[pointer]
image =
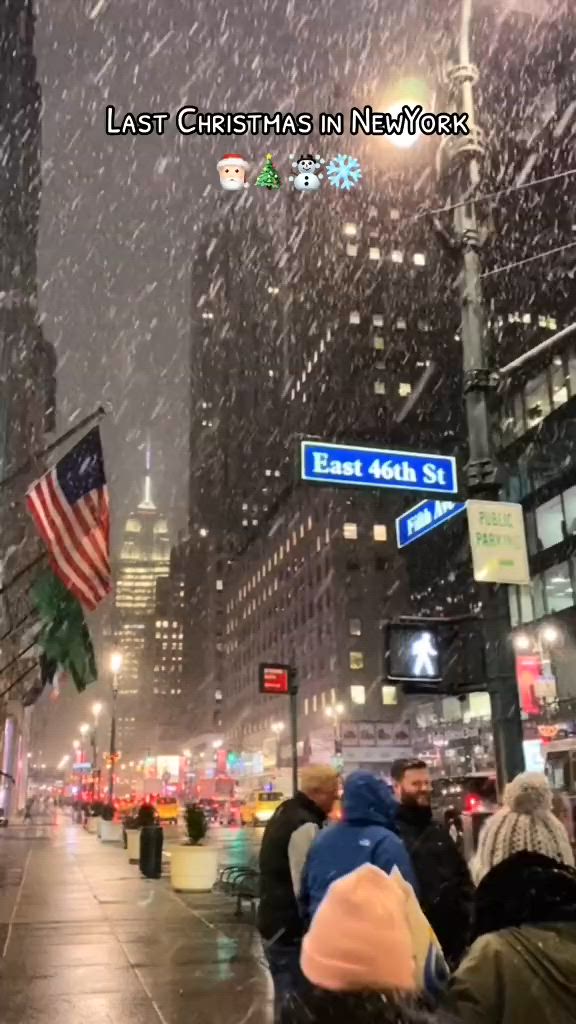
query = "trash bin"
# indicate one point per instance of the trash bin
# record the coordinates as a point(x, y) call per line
point(151, 842)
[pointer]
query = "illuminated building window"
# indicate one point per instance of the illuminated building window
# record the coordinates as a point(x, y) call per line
point(378, 320)
point(394, 214)
point(358, 694)
point(350, 230)
point(351, 249)
point(401, 324)
point(354, 317)
point(404, 389)
point(389, 695)
point(378, 343)
point(356, 661)
point(380, 532)
point(219, 585)
point(379, 387)
point(373, 252)
point(315, 703)
point(419, 259)
point(397, 256)
point(350, 531)
point(355, 627)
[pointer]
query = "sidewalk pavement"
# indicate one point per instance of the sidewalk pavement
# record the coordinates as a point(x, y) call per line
point(85, 938)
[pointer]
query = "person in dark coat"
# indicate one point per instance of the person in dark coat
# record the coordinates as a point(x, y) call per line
point(287, 840)
point(365, 836)
point(522, 964)
point(445, 886)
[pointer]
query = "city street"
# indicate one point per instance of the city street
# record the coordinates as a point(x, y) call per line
point(84, 936)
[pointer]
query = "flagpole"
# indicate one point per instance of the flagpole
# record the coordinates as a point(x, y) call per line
point(98, 414)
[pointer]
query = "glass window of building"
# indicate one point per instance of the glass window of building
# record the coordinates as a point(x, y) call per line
point(356, 660)
point(350, 531)
point(355, 627)
point(306, 705)
point(569, 499)
point(559, 593)
point(380, 532)
point(394, 214)
point(397, 256)
point(374, 252)
point(537, 400)
point(389, 695)
point(350, 230)
point(354, 317)
point(315, 703)
point(401, 323)
point(332, 697)
point(358, 694)
point(419, 259)
point(538, 590)
point(378, 320)
point(559, 379)
point(378, 343)
point(549, 521)
point(379, 387)
point(351, 249)
point(404, 389)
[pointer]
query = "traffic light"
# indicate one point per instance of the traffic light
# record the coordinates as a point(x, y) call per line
point(436, 656)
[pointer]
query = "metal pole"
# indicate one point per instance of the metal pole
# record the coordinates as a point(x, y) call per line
point(479, 383)
point(112, 739)
point(294, 730)
point(93, 737)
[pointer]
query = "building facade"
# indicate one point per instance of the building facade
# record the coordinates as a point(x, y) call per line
point(27, 378)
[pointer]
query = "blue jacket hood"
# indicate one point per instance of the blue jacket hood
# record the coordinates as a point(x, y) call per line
point(368, 801)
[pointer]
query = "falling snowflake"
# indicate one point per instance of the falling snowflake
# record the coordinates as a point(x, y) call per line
point(344, 172)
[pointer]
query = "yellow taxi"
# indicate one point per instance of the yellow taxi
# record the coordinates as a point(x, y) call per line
point(167, 809)
point(260, 806)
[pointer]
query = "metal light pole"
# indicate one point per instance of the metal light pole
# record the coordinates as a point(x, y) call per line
point(335, 713)
point(116, 665)
point(479, 383)
point(96, 712)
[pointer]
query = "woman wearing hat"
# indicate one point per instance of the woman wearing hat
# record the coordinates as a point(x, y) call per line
point(521, 967)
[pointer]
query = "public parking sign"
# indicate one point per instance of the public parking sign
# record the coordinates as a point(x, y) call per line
point(275, 679)
point(424, 517)
point(338, 464)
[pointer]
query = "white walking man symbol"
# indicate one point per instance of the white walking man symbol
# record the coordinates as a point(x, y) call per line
point(423, 651)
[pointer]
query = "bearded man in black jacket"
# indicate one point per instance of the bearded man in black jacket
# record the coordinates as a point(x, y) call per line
point(446, 889)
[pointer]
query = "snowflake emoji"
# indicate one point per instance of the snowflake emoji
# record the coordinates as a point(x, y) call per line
point(344, 172)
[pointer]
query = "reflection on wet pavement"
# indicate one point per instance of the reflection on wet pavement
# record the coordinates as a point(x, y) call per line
point(86, 938)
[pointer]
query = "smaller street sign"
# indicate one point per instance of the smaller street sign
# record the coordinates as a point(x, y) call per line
point(498, 542)
point(424, 517)
point(274, 679)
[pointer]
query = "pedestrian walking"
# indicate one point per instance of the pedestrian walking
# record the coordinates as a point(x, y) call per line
point(522, 964)
point(364, 956)
point(364, 836)
point(287, 840)
point(444, 883)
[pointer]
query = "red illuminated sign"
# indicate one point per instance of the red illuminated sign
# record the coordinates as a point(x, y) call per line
point(275, 679)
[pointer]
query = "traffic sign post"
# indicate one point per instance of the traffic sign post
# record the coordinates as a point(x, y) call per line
point(280, 680)
point(337, 464)
point(424, 517)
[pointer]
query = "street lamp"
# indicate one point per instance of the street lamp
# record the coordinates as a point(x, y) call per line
point(115, 665)
point(96, 712)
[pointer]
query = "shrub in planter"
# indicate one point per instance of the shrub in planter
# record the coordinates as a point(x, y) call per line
point(108, 812)
point(95, 809)
point(146, 815)
point(194, 868)
point(196, 824)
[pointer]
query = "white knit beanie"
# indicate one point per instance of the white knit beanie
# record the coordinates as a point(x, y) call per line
point(525, 822)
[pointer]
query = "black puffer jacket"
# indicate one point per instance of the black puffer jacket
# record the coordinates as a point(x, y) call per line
point(446, 889)
point(319, 1007)
point(278, 915)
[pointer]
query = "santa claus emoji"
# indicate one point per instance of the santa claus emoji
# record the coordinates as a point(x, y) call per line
point(232, 170)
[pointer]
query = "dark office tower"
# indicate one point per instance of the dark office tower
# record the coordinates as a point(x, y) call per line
point(27, 370)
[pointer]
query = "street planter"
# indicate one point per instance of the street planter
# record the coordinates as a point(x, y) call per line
point(194, 868)
point(92, 825)
point(133, 845)
point(99, 827)
point(111, 831)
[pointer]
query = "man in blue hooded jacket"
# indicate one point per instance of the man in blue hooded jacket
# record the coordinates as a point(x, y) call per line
point(365, 836)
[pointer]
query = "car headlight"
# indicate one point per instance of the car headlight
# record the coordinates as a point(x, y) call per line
point(263, 816)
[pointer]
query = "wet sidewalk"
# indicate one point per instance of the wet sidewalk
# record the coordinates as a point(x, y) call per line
point(86, 938)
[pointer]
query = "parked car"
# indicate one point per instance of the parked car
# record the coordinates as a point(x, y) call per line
point(260, 806)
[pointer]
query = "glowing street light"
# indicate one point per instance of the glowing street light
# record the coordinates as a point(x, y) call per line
point(84, 729)
point(278, 727)
point(97, 708)
point(116, 660)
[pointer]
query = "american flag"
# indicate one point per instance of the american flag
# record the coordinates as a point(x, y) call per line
point(71, 511)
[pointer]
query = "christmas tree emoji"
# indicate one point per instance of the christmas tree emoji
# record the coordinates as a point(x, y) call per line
point(269, 177)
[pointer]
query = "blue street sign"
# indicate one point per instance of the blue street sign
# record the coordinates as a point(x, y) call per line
point(377, 467)
point(424, 517)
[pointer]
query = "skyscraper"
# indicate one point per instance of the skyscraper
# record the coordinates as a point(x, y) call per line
point(27, 369)
point(144, 559)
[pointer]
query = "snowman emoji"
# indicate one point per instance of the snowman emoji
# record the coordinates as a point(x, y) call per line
point(307, 180)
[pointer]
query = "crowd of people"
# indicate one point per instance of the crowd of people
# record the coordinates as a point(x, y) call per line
point(379, 920)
